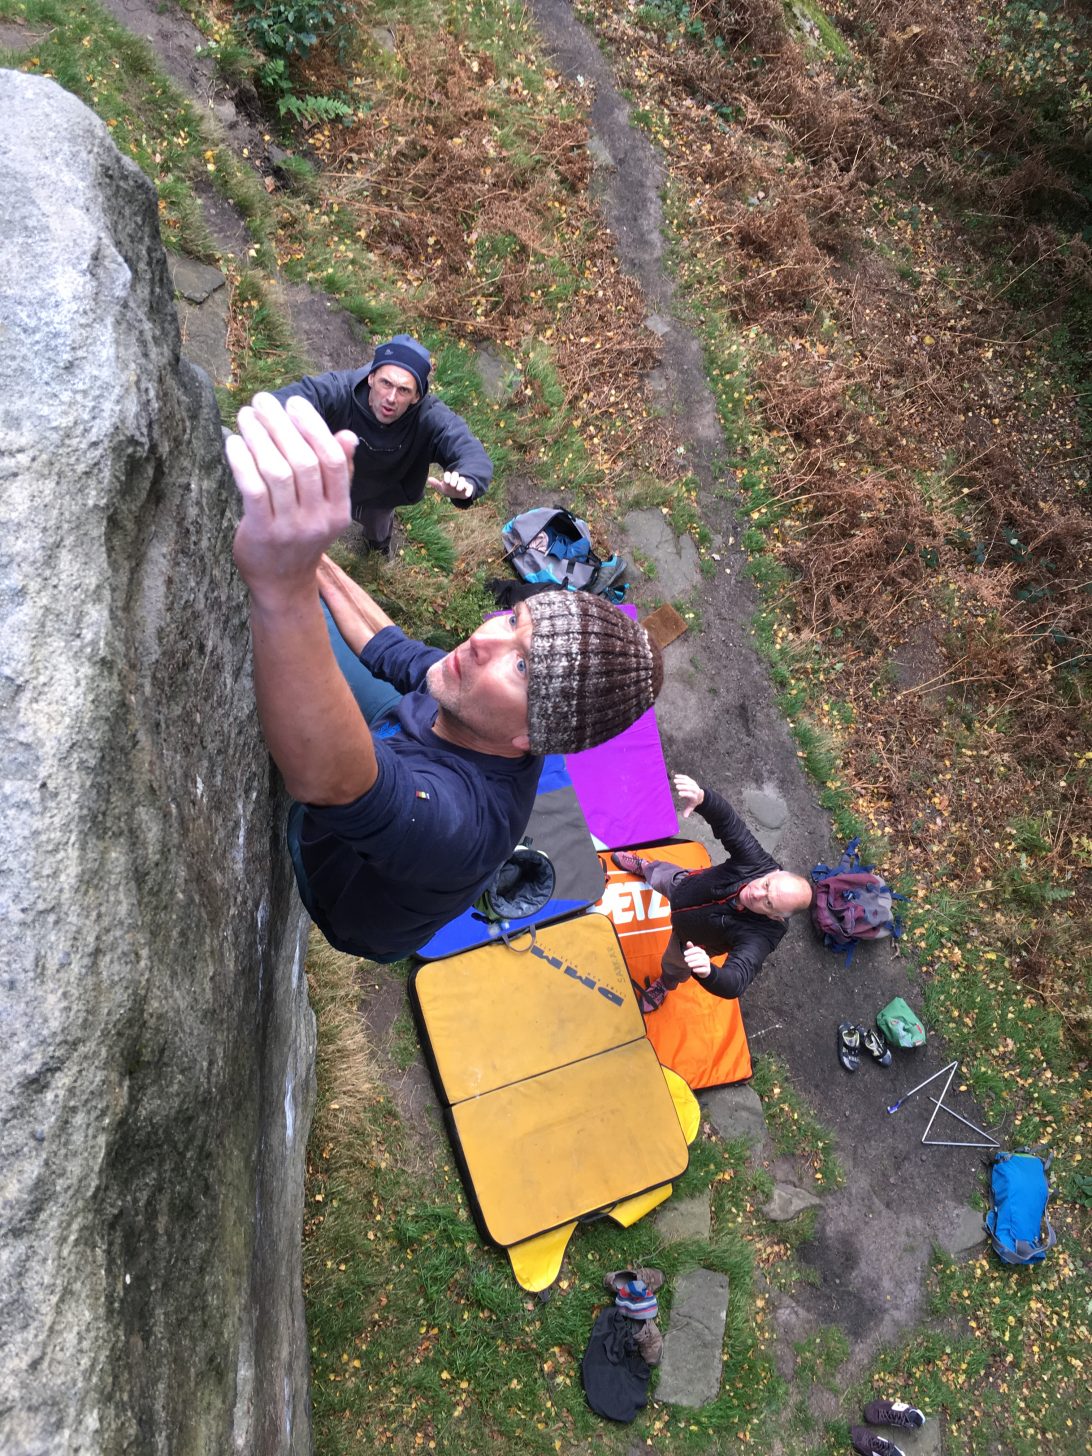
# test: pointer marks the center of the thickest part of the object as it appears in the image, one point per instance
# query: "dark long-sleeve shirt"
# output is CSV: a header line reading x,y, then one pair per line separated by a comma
x,y
700,908
381,875
390,467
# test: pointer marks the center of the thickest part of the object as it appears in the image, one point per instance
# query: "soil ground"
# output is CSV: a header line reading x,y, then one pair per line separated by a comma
x,y
719,722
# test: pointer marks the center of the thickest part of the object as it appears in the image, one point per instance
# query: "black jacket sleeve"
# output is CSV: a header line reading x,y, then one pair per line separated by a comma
x,y
743,964
730,829
454,445
331,394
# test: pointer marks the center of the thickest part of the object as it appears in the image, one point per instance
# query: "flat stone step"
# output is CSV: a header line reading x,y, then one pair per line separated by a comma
x,y
735,1112
694,1342
685,1218
964,1234
677,569
787,1201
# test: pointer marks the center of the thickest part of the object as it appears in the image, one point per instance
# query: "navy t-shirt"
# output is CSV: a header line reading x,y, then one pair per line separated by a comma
x,y
385,872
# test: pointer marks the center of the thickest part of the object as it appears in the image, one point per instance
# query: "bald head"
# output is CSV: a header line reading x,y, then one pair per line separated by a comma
x,y
776,895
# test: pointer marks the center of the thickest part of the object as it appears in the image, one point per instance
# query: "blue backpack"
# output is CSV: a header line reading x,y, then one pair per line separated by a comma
x,y
1017,1223
551,546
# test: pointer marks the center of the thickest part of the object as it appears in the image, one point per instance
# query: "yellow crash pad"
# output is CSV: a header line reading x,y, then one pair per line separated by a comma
x,y
557,1106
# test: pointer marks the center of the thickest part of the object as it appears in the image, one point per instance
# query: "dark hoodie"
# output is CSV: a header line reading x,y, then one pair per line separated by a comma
x,y
391,464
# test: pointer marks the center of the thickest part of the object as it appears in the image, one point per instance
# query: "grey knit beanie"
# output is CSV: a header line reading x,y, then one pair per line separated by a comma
x,y
592,671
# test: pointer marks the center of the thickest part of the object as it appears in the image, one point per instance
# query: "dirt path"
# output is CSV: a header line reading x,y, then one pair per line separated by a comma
x,y
720,723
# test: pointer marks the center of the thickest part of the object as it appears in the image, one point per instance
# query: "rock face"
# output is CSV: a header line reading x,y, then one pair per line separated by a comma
x,y
157,1077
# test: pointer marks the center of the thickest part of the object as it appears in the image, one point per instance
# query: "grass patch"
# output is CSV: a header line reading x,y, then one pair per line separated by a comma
x,y
419,1332
793,1126
262,343
117,76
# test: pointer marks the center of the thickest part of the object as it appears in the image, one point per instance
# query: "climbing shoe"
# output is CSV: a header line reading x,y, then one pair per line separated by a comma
x,y
849,1046
652,1279
869,1444
651,1343
894,1413
651,997
633,864
875,1045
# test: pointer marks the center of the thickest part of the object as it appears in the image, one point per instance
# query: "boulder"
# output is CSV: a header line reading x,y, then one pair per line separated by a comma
x,y
158,1071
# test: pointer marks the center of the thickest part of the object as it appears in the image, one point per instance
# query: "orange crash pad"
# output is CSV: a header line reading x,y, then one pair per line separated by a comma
x,y
698,1035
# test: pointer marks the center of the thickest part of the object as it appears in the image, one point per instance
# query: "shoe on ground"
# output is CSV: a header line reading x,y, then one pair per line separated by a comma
x,y
651,997
894,1413
633,864
869,1444
652,1279
651,1343
379,548
849,1046
879,1051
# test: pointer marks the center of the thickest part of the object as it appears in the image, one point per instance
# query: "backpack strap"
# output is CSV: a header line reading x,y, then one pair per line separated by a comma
x,y
502,930
1028,1251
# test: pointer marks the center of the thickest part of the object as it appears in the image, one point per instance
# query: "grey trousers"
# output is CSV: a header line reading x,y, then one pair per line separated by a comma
x,y
663,877
378,522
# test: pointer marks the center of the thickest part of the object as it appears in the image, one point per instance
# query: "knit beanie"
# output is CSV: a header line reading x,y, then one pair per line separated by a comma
x,y
636,1300
592,671
406,353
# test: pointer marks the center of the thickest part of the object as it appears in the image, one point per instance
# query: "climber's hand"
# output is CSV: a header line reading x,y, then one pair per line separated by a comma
x,y
293,476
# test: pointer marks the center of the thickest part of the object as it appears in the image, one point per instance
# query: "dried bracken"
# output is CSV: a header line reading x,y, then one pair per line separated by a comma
x,y
487,229
901,254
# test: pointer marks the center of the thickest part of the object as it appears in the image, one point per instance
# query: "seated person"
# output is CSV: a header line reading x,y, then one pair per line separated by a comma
x,y
741,905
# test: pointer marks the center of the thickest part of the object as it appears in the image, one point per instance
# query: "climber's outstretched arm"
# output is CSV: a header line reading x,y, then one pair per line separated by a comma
x,y
293,476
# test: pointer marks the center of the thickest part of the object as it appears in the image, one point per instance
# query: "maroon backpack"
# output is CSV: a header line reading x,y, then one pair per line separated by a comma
x,y
853,903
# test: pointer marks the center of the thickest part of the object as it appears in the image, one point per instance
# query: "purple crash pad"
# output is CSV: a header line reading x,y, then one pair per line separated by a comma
x,y
623,786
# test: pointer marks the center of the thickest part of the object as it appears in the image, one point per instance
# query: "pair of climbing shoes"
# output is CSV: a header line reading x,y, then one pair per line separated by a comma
x,y
852,1040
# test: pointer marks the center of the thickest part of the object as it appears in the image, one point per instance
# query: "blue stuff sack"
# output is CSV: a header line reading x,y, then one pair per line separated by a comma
x,y
1017,1223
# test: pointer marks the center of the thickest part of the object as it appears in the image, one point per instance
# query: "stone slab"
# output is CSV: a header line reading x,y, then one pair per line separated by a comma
x,y
767,814
599,152
193,280
204,336
792,1324
677,570
694,1342
787,1202
963,1235
735,1112
496,373
681,1219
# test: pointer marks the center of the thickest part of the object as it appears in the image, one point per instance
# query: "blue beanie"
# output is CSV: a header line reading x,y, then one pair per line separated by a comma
x,y
406,353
